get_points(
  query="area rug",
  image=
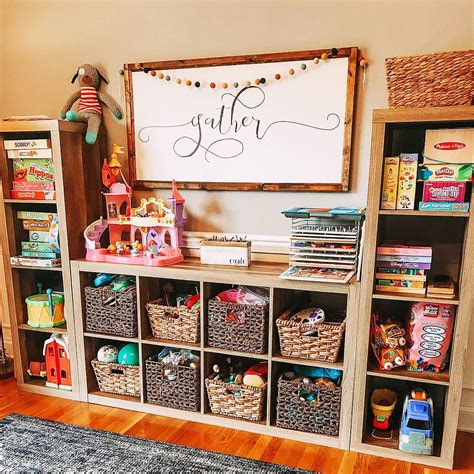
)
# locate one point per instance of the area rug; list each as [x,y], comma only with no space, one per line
[30,444]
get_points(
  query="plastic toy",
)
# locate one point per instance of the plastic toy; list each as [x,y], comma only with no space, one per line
[387,341]
[108,354]
[36,369]
[45,310]
[256,376]
[103,279]
[430,331]
[58,366]
[417,426]
[383,402]
[128,355]
[150,234]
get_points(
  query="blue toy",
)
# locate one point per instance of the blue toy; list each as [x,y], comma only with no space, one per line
[416,430]
[128,355]
[317,372]
[103,279]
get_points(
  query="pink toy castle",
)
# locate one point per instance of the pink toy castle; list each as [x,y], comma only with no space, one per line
[150,234]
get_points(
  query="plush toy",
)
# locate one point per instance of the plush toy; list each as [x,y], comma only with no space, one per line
[85,104]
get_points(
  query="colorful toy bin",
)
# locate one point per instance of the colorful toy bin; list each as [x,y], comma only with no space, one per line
[45,310]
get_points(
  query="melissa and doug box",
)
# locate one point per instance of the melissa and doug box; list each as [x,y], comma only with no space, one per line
[429,336]
[453,145]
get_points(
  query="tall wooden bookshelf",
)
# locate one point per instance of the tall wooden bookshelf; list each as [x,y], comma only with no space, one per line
[78,202]
[398,131]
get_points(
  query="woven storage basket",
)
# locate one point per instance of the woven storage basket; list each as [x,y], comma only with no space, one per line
[240,401]
[117,320]
[117,378]
[183,393]
[431,80]
[323,345]
[321,417]
[246,333]
[173,323]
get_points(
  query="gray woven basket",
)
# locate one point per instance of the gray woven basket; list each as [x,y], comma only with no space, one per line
[117,378]
[119,319]
[183,393]
[321,416]
[431,80]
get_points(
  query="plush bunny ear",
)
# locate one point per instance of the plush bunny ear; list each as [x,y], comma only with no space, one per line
[102,77]
[75,76]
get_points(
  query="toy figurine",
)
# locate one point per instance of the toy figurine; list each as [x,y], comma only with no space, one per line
[84,105]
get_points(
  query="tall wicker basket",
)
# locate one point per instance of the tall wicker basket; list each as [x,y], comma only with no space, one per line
[321,416]
[431,80]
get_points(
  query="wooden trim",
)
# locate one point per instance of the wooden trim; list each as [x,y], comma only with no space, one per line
[44,126]
[343,186]
[430,114]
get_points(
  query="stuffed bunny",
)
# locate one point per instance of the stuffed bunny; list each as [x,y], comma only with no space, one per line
[85,104]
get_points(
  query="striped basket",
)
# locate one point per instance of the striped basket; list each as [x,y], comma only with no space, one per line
[431,80]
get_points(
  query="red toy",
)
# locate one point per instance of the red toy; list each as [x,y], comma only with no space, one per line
[58,366]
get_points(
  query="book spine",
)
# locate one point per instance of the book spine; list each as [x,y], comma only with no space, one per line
[403,258]
[26,144]
[417,265]
[417,251]
[32,153]
[35,262]
[36,225]
[401,283]
[390,182]
[401,271]
[395,289]
[28,253]
[402,277]
[37,246]
[407,181]
[38,235]
[37,216]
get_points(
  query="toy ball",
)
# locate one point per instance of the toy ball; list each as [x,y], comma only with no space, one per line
[128,355]
[108,354]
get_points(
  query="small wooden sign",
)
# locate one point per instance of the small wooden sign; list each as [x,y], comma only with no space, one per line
[215,252]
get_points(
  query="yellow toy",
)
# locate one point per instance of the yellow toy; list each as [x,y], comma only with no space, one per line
[45,310]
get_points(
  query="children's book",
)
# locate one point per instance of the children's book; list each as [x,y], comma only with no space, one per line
[399,276]
[404,250]
[415,265]
[401,283]
[403,258]
[318,274]
[399,289]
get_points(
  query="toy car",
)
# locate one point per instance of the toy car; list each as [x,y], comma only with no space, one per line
[416,429]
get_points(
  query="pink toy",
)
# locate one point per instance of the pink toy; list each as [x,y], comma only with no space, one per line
[440,191]
[150,234]
[430,330]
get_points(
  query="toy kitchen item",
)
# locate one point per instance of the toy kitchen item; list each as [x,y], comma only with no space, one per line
[453,145]
[45,310]
[383,402]
[429,336]
[407,180]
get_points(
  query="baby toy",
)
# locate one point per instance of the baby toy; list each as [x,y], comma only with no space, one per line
[387,341]
[108,354]
[149,234]
[383,402]
[128,355]
[58,366]
[84,105]
[430,331]
[256,376]
[45,310]
[417,426]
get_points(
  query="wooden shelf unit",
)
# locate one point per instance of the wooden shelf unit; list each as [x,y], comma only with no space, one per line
[397,131]
[78,201]
[210,279]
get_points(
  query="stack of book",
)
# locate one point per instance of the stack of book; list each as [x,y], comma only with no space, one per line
[33,169]
[402,268]
[42,247]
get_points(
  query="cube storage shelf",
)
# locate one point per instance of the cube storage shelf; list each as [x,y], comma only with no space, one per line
[77,173]
[210,280]
[451,234]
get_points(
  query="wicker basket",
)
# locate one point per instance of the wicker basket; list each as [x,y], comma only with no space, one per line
[321,417]
[324,345]
[431,80]
[237,327]
[173,323]
[117,320]
[240,401]
[117,378]
[183,393]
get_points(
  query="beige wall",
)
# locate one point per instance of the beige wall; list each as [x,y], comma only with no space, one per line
[43,42]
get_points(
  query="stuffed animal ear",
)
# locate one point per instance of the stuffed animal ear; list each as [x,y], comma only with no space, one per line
[102,77]
[75,76]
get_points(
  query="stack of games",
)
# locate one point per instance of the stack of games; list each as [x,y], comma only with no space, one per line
[324,244]
[402,268]
[33,169]
[42,248]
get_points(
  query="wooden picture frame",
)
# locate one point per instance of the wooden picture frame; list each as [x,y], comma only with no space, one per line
[349,52]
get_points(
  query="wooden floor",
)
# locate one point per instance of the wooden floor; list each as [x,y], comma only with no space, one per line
[223,440]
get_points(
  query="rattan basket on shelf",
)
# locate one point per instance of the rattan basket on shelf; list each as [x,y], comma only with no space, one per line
[117,378]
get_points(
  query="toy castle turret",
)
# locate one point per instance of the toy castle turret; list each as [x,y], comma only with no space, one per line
[177,201]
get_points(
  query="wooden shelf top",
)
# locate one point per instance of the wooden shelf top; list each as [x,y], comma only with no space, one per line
[312,363]
[27,267]
[30,201]
[168,343]
[425,114]
[264,274]
[98,393]
[217,350]
[111,337]
[56,330]
[413,212]
[412,297]
[402,373]
[49,125]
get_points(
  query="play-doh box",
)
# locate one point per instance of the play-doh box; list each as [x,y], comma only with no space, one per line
[45,310]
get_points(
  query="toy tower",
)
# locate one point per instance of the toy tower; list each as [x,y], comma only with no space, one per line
[177,201]
[118,202]
[58,366]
